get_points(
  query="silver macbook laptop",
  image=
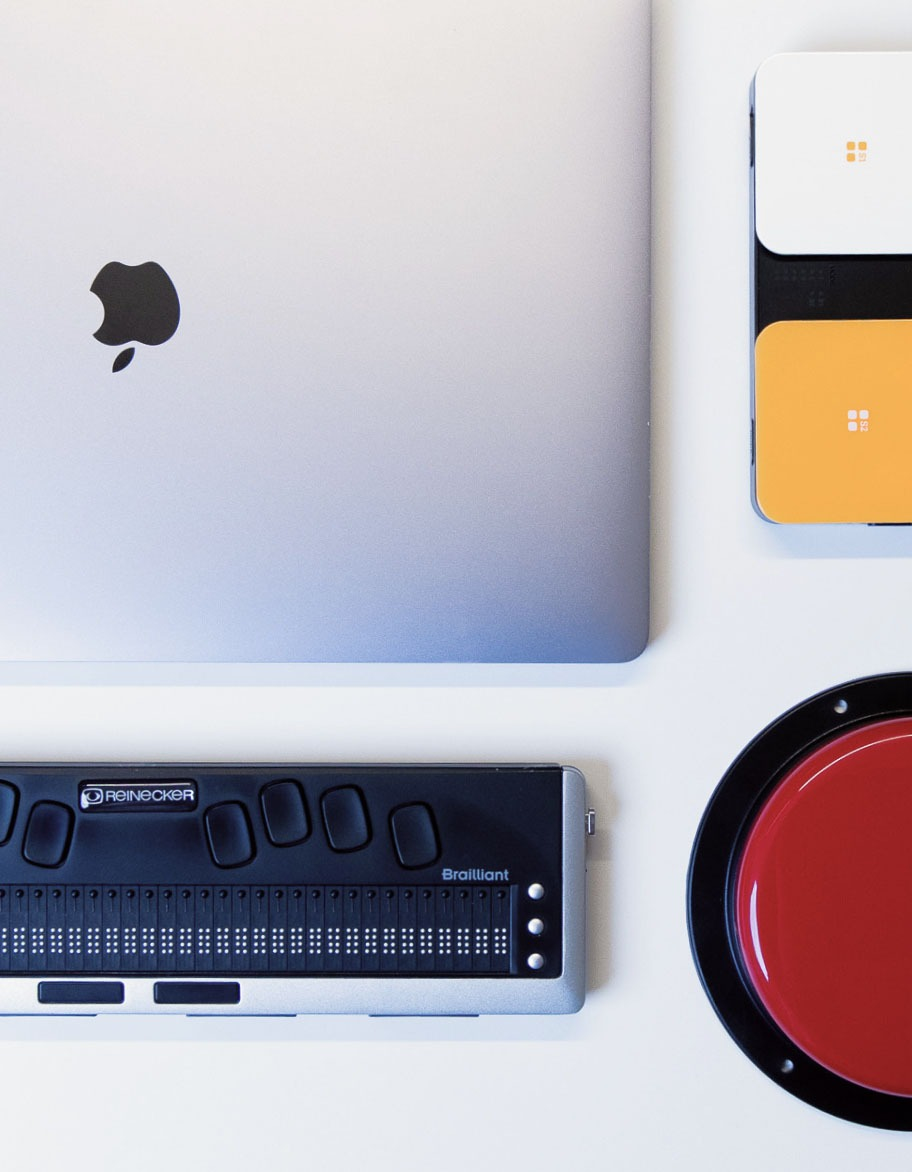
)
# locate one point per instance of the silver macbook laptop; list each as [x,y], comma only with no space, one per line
[324,331]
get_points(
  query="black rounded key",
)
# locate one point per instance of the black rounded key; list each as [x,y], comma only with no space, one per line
[9,799]
[285,813]
[415,835]
[47,835]
[80,992]
[197,992]
[229,834]
[345,818]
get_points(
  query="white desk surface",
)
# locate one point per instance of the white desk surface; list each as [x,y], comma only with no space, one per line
[748,619]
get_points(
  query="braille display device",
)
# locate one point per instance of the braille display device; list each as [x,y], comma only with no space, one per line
[831,147]
[292,889]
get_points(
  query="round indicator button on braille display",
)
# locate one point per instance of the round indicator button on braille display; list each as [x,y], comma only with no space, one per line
[822,901]
[536,891]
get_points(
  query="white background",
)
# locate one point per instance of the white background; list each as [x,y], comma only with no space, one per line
[748,619]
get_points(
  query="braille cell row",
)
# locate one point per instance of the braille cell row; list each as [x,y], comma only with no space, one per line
[244,928]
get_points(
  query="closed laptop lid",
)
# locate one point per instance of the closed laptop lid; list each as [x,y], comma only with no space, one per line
[364,374]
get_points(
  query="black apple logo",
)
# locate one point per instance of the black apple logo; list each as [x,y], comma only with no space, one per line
[140,305]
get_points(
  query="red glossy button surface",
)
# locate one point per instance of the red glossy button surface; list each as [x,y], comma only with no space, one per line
[824,905]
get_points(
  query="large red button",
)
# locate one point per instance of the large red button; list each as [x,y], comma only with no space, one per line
[824,905]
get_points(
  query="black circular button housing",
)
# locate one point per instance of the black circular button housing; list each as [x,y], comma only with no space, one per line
[729,944]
